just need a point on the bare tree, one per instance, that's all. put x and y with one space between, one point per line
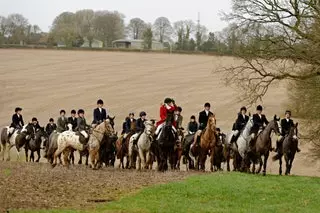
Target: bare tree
162 28
17 25
286 30
136 28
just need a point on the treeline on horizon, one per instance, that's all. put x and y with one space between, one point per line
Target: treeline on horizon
73 29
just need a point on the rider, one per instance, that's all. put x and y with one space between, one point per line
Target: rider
130 126
286 124
178 118
139 126
82 125
259 122
51 126
73 120
35 127
240 123
192 126
62 122
17 121
167 107
203 120
99 114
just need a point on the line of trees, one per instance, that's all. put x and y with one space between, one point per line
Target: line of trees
72 29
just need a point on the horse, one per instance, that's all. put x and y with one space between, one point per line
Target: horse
107 151
103 130
262 144
70 139
34 144
17 139
144 145
208 142
241 147
165 146
219 155
122 146
176 157
191 152
288 149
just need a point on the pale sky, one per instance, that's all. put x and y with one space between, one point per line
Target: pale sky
42 12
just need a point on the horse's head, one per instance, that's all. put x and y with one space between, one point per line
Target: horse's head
294 131
41 134
149 127
69 127
276 127
27 129
221 139
212 123
106 127
111 119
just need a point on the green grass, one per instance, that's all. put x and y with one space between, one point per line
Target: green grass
7 172
223 192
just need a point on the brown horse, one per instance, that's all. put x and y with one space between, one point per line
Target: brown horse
176 157
262 145
208 141
123 147
288 149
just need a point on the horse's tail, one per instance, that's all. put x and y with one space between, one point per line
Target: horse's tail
276 157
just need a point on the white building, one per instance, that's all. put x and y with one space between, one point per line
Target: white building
135 44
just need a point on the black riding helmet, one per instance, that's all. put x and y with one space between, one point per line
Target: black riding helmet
259 108
193 117
131 113
80 111
73 111
288 112
51 120
18 109
143 114
62 111
207 105
100 101
167 100
34 119
243 108
179 109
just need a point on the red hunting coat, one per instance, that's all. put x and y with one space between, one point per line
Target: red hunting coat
163 114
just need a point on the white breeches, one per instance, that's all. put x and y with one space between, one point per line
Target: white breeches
235 133
160 127
84 134
11 130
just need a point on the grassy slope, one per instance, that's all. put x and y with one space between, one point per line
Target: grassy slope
231 192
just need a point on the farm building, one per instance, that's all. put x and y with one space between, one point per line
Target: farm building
135 44
95 43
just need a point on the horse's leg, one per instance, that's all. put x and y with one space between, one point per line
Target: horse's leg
56 154
291 162
266 156
32 157
212 160
80 158
26 152
148 160
260 163
142 160
8 152
280 165
66 154
228 162
4 146
87 158
39 155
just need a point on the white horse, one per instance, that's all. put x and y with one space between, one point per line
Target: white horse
144 144
7 144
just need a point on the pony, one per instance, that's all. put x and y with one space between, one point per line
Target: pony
17 139
104 129
122 146
165 145
176 157
192 152
288 149
262 144
34 144
208 142
144 145
219 155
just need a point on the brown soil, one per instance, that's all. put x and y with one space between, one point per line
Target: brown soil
38 186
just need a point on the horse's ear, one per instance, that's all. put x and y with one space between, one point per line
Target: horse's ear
249 114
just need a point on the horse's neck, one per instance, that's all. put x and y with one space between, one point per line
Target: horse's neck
267 130
247 129
208 133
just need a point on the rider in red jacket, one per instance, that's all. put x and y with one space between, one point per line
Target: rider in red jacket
167 107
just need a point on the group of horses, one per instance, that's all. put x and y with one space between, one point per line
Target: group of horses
104 146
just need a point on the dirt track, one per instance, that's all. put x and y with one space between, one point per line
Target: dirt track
43 82
38 186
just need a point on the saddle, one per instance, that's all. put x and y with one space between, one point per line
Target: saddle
82 139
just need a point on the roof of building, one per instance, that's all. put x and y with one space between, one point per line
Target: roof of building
131 40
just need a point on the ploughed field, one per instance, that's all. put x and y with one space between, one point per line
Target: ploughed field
44 81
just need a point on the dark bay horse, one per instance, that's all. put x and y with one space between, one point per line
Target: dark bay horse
122 146
34 145
166 143
262 145
107 150
208 142
288 149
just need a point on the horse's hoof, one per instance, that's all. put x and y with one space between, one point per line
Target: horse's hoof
53 165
